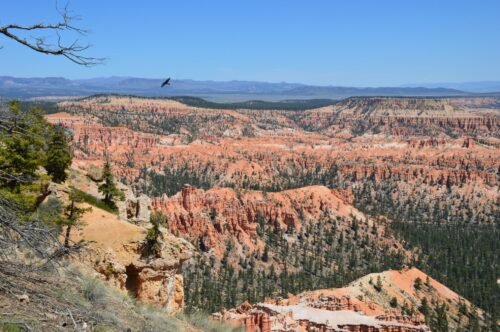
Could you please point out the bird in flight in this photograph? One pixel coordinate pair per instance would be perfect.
(167, 82)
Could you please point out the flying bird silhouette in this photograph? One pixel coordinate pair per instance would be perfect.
(167, 82)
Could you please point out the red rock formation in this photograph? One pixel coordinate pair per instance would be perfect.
(189, 212)
(280, 151)
(259, 159)
(342, 310)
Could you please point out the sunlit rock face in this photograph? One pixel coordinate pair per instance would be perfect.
(356, 307)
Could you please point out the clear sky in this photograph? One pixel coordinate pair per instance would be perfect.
(355, 43)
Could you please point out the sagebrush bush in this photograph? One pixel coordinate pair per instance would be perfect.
(203, 322)
(94, 291)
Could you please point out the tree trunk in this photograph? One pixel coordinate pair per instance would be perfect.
(66, 238)
(68, 228)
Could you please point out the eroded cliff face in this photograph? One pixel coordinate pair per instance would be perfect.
(118, 257)
(406, 116)
(117, 249)
(216, 215)
(134, 208)
(360, 306)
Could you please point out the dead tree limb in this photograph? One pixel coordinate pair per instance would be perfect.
(72, 51)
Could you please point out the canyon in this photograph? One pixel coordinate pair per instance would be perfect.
(305, 199)
(365, 199)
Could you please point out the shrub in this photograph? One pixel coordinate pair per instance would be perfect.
(94, 291)
(12, 327)
(156, 320)
(154, 237)
(418, 283)
(203, 322)
(378, 285)
(394, 302)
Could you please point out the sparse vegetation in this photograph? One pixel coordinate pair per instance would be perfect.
(94, 201)
(12, 327)
(202, 322)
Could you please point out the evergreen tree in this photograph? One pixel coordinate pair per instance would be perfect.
(265, 255)
(73, 214)
(428, 281)
(439, 323)
(21, 154)
(394, 302)
(474, 326)
(418, 284)
(58, 156)
(23, 134)
(108, 188)
(154, 237)
(405, 309)
(462, 308)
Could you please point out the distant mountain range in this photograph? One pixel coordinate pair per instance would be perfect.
(229, 91)
(478, 87)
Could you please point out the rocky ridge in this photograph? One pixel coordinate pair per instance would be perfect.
(217, 215)
(117, 248)
(360, 306)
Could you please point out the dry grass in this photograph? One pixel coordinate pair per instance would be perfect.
(204, 323)
(67, 300)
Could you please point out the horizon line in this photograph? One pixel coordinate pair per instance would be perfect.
(403, 85)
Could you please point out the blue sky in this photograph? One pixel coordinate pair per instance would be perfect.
(355, 43)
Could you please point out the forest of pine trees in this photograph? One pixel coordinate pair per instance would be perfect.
(463, 257)
(322, 255)
(459, 252)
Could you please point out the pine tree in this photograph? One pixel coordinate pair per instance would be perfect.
(154, 237)
(474, 326)
(73, 214)
(109, 188)
(21, 154)
(58, 156)
(394, 302)
(405, 309)
(440, 321)
(418, 284)
(462, 308)
(265, 255)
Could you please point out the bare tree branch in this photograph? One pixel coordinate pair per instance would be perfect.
(72, 51)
